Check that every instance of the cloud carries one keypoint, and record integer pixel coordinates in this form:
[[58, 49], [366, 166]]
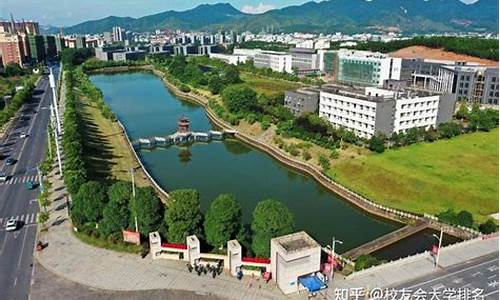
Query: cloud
[[257, 9]]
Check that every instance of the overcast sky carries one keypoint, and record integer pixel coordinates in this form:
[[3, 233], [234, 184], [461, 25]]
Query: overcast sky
[[70, 12]]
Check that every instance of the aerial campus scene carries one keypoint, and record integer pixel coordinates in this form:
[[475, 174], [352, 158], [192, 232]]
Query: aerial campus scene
[[268, 149]]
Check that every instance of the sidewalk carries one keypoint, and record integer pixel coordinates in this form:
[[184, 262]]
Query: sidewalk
[[393, 273]]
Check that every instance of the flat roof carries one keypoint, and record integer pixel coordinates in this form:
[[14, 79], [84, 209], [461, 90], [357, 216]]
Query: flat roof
[[359, 93], [296, 242]]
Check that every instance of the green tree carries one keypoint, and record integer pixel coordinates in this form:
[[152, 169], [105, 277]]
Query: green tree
[[148, 209], [271, 218], [90, 201], [231, 75], [324, 162], [183, 215], [215, 85], [239, 98], [464, 218], [365, 261], [488, 227], [377, 143], [463, 111], [222, 220], [116, 214]]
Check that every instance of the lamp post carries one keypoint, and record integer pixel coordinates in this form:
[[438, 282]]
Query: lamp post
[[440, 240], [334, 241], [133, 197]]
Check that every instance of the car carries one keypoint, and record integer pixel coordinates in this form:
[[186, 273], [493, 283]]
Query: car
[[3, 177], [23, 135], [10, 161], [11, 225]]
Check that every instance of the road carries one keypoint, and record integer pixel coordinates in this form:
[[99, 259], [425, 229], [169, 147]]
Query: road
[[477, 276], [16, 248]]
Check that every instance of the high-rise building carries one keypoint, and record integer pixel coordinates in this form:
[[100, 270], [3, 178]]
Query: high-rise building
[[118, 34], [37, 47], [59, 44], [50, 46], [11, 49], [20, 27]]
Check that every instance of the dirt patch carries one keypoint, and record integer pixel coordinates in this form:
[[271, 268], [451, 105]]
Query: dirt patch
[[431, 53]]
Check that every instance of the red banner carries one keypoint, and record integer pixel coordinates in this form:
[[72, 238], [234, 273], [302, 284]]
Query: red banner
[[131, 237], [258, 260], [435, 249]]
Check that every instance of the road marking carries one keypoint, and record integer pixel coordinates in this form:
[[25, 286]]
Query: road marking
[[491, 293], [22, 249], [452, 273], [477, 273], [15, 281], [494, 283], [437, 287], [32, 217], [493, 268], [492, 276], [20, 179], [458, 280]]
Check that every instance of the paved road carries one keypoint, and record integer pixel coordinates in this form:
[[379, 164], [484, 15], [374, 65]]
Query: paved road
[[477, 276], [16, 248]]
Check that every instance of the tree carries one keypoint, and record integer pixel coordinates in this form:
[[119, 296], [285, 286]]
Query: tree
[[231, 75], [147, 207], [13, 69], [377, 143], [488, 227], [90, 201], [324, 162], [464, 218], [271, 218], [116, 214], [239, 98], [365, 261], [463, 111], [223, 220], [183, 216], [215, 85]]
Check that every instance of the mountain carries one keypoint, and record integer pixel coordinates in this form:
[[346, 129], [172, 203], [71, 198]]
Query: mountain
[[348, 16]]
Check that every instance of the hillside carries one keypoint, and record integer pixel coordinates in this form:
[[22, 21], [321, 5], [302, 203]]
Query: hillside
[[348, 16]]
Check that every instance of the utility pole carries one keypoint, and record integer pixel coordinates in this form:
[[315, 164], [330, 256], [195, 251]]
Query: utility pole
[[40, 179], [440, 239], [133, 197], [334, 241], [54, 99]]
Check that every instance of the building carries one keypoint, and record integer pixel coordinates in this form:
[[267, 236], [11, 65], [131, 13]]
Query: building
[[276, 61], [305, 61], [118, 34], [129, 55], [246, 52], [50, 47], [232, 59], [326, 61], [37, 47], [365, 68], [302, 101], [25, 27], [11, 49], [59, 44], [370, 110], [293, 257]]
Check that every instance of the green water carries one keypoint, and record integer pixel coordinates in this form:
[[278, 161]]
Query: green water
[[146, 108]]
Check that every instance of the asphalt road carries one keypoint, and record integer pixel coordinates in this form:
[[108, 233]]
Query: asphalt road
[[16, 248], [478, 277]]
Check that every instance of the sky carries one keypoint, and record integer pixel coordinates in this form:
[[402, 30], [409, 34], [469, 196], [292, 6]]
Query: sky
[[70, 12]]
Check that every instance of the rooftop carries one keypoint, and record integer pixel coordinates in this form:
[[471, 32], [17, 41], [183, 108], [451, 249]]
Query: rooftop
[[374, 94], [296, 242]]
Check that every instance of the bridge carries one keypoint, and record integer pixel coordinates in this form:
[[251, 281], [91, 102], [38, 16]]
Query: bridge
[[180, 138], [385, 240]]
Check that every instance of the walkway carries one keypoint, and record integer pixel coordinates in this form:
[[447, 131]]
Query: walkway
[[384, 240]]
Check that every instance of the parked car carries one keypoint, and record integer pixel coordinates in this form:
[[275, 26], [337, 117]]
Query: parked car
[[3, 177], [10, 161], [23, 135], [11, 225]]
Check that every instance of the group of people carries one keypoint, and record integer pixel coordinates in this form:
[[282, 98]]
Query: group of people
[[206, 269]]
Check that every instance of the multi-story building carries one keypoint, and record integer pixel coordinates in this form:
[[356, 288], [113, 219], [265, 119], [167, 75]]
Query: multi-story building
[[304, 61], [37, 47], [59, 44], [365, 68], [370, 110], [50, 47], [302, 101], [232, 59], [326, 60], [11, 49], [26, 27], [118, 34], [276, 61]]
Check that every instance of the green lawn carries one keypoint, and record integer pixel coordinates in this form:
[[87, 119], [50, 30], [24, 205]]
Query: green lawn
[[461, 173], [268, 85]]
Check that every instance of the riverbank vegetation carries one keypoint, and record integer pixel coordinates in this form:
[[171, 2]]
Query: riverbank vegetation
[[18, 98]]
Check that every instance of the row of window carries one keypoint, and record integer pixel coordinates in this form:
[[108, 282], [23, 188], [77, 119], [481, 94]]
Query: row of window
[[419, 104], [359, 107], [415, 121], [417, 112], [345, 112]]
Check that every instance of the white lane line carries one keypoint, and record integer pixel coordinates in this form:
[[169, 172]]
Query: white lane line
[[22, 249], [490, 293], [450, 274], [32, 217]]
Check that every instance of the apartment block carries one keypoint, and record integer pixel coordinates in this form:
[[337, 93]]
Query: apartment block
[[365, 68], [276, 61], [37, 47], [370, 110], [302, 101], [11, 49]]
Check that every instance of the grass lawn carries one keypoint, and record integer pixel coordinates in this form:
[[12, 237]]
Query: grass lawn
[[106, 151], [268, 86], [461, 173]]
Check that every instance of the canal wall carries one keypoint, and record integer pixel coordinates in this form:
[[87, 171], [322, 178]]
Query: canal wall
[[347, 194]]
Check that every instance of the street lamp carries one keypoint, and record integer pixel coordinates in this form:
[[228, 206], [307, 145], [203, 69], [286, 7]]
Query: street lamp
[[332, 248], [440, 240], [133, 198]]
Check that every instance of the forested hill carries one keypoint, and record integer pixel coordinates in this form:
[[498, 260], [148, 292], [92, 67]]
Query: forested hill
[[348, 16]]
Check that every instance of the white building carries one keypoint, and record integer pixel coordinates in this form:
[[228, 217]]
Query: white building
[[277, 61], [246, 52], [232, 59], [366, 68], [118, 33], [374, 110]]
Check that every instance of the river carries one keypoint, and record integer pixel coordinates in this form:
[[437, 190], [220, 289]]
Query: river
[[147, 108]]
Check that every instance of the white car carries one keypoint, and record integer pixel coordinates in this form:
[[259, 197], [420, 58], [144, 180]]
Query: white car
[[23, 135], [11, 225], [3, 177]]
